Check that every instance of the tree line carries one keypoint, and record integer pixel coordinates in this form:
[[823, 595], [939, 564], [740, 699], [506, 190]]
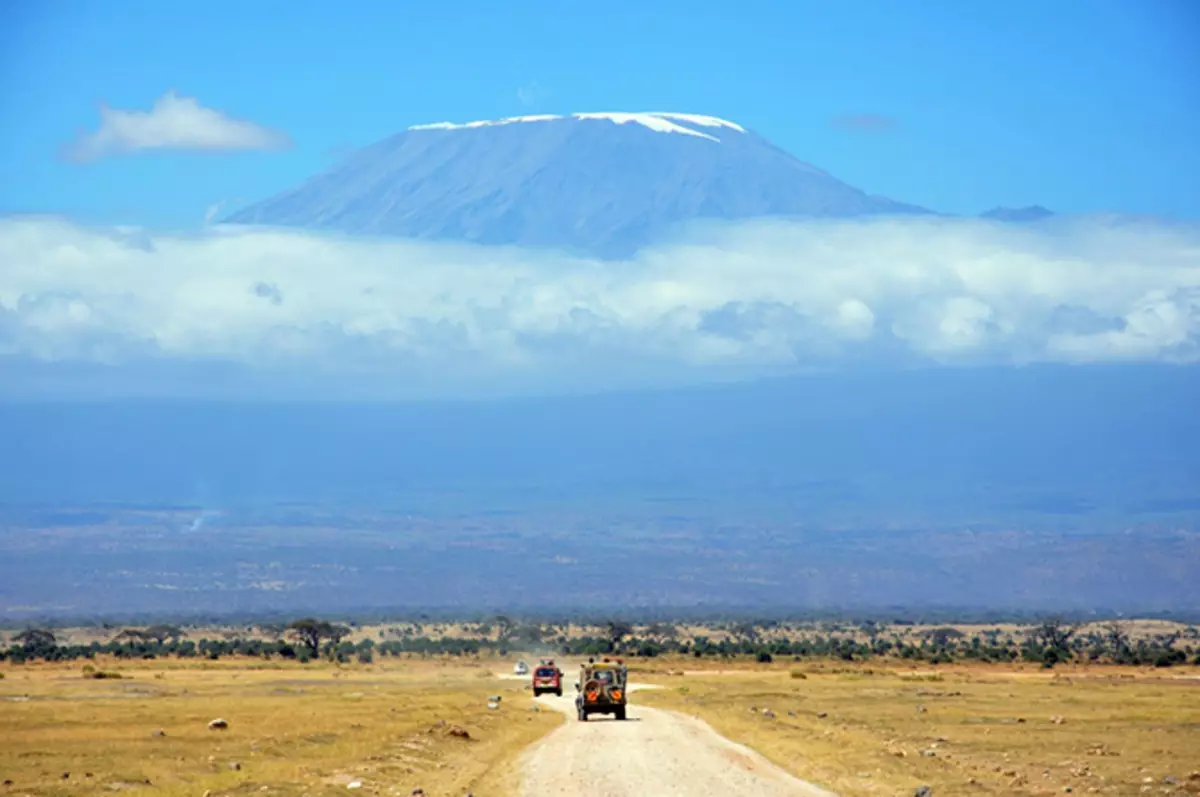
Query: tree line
[[1049, 643]]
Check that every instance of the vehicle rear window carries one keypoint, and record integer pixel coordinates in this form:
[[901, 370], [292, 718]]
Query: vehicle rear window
[[545, 672]]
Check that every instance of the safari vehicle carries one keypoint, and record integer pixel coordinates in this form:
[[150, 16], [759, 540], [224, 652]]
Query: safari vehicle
[[601, 688], [521, 668], [547, 678]]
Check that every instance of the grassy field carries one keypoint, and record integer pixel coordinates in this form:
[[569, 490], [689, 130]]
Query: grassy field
[[293, 729], [314, 729], [987, 730]]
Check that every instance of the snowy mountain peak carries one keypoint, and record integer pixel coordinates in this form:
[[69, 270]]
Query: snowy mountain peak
[[604, 184], [685, 123]]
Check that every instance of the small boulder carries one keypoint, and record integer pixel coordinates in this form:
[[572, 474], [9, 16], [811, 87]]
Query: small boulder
[[218, 725], [158, 734], [923, 791], [458, 732]]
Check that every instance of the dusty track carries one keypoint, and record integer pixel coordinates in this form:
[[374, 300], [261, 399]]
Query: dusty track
[[654, 752]]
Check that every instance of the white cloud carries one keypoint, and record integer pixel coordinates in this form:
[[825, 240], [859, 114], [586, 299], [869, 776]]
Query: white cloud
[[174, 123], [736, 300]]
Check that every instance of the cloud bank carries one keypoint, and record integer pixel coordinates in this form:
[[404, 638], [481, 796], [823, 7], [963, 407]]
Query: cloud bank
[[174, 123], [395, 317]]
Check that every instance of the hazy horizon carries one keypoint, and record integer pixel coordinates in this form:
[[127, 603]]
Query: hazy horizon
[[382, 307]]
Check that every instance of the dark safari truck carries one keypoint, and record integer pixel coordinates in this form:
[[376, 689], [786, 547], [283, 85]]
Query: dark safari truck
[[601, 689], [547, 678]]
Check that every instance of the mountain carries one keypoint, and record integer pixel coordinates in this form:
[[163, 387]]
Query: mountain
[[1030, 213], [600, 183]]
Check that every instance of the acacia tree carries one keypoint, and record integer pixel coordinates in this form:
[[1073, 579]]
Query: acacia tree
[[337, 633], [617, 630], [504, 626], [36, 638], [161, 632], [1052, 639], [1117, 639], [310, 632]]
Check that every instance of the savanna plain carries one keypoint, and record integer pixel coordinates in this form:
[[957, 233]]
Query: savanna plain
[[429, 722]]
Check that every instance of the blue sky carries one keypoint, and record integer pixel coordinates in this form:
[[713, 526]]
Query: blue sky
[[1079, 105], [120, 287]]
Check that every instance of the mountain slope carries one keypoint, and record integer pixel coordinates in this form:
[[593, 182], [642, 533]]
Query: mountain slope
[[1030, 213], [606, 184]]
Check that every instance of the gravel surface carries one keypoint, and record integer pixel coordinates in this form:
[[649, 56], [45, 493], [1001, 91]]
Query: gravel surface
[[654, 753]]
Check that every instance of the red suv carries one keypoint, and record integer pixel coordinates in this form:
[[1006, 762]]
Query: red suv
[[547, 678]]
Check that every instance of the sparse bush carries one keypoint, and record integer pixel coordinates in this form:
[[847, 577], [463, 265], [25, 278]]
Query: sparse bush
[[799, 674], [1047, 643]]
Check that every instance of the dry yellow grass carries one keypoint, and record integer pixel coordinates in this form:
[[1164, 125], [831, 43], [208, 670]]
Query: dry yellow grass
[[293, 729], [986, 730]]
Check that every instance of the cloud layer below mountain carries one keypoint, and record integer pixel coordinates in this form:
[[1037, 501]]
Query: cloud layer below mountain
[[388, 317]]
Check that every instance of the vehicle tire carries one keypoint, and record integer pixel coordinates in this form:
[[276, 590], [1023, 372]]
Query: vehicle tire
[[620, 712], [558, 692], [582, 715]]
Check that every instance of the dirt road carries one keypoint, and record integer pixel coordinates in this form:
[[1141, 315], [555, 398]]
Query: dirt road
[[654, 753]]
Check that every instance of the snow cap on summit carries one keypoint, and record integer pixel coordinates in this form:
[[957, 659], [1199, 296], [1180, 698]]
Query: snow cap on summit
[[656, 121], [605, 184]]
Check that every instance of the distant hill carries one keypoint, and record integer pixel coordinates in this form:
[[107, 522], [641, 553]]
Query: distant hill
[[602, 183]]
